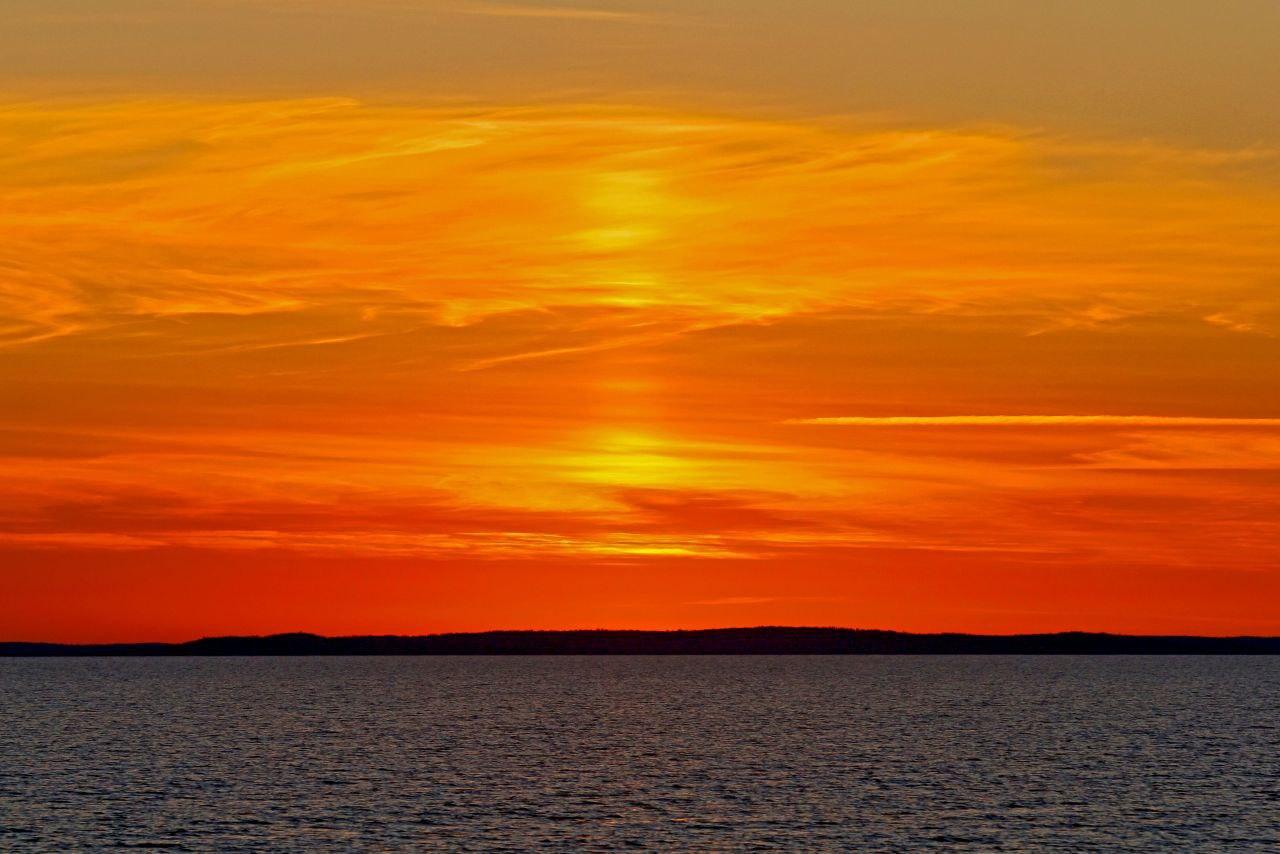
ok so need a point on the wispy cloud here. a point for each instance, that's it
(561, 13)
(243, 326)
(1035, 421)
(736, 600)
(486, 545)
(1189, 451)
(197, 209)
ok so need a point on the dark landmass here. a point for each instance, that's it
(765, 640)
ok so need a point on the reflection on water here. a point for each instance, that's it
(653, 753)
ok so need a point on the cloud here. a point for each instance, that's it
(736, 600)
(241, 325)
(1189, 451)
(562, 13)
(1035, 421)
(116, 212)
(489, 545)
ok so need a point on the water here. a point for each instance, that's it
(794, 753)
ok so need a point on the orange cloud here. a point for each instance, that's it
(553, 12)
(578, 337)
(1036, 421)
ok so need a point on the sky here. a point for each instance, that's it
(405, 316)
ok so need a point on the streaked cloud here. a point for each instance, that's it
(555, 12)
(1190, 451)
(1036, 421)
(487, 546)
(573, 339)
(671, 222)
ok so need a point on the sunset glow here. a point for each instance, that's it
(407, 361)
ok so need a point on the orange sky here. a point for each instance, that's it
(378, 358)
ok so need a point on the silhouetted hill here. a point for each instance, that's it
(765, 640)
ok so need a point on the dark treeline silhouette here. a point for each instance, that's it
(765, 640)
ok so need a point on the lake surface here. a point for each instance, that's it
(679, 753)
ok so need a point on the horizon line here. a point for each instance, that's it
(757, 628)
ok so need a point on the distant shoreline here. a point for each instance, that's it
(765, 640)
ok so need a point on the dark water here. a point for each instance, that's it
(867, 753)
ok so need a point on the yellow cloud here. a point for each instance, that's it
(119, 211)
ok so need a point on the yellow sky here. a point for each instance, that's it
(807, 345)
